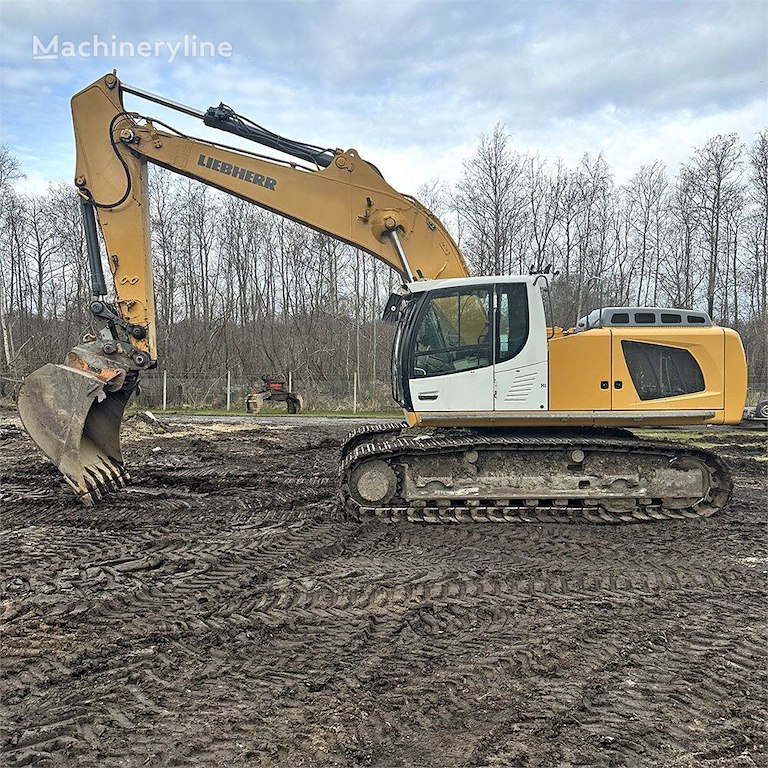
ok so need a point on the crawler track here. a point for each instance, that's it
(400, 449)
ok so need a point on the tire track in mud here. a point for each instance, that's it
(416, 621)
(214, 570)
(284, 599)
(674, 705)
(226, 614)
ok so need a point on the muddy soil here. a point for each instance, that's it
(222, 612)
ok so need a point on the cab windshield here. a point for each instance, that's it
(454, 333)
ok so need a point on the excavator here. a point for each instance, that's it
(507, 418)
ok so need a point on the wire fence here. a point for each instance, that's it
(163, 390)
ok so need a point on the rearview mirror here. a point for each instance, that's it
(393, 310)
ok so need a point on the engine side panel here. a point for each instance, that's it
(662, 369)
(580, 372)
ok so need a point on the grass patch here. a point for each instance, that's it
(394, 415)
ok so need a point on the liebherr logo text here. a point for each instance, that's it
(241, 173)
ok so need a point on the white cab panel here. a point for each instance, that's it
(462, 391)
(521, 383)
(515, 314)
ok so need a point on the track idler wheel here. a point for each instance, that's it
(373, 483)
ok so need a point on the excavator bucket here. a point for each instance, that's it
(75, 421)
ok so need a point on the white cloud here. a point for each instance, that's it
(412, 84)
(33, 183)
(629, 141)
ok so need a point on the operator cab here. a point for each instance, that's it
(471, 345)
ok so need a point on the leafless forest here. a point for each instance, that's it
(241, 289)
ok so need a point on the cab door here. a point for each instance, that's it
(451, 356)
(520, 373)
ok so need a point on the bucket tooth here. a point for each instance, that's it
(111, 472)
(91, 484)
(107, 477)
(95, 491)
(96, 475)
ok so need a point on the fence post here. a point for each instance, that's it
(354, 392)
(229, 389)
(290, 381)
(165, 390)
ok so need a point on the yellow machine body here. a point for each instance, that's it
(589, 383)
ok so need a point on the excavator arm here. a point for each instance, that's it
(73, 411)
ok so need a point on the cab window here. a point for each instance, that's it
(513, 320)
(453, 333)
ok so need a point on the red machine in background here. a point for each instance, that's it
(273, 390)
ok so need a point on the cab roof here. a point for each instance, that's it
(419, 286)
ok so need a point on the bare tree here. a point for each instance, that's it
(240, 288)
(545, 200)
(10, 171)
(491, 202)
(714, 177)
(646, 198)
(758, 192)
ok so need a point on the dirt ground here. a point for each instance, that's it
(222, 612)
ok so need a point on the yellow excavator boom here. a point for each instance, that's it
(348, 199)
(73, 411)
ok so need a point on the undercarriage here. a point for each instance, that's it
(394, 472)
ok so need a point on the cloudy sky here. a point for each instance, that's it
(411, 85)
